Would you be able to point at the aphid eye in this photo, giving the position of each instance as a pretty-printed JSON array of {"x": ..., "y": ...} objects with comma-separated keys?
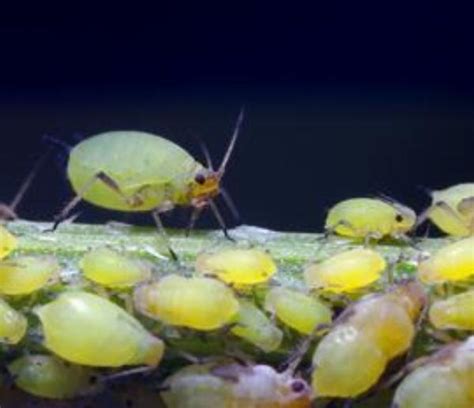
[
  {"x": 399, "y": 218},
  {"x": 200, "y": 179},
  {"x": 298, "y": 386}
]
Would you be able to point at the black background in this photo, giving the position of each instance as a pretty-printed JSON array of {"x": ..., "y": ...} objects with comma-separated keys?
[{"x": 342, "y": 99}]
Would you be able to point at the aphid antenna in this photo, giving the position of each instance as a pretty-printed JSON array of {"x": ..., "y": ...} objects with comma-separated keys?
[
  {"x": 204, "y": 150},
  {"x": 58, "y": 143},
  {"x": 230, "y": 148},
  {"x": 428, "y": 191}
]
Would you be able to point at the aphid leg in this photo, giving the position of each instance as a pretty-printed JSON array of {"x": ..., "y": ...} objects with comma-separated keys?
[
  {"x": 230, "y": 204},
  {"x": 192, "y": 220},
  {"x": 8, "y": 211},
  {"x": 100, "y": 176},
  {"x": 297, "y": 355},
  {"x": 161, "y": 229},
  {"x": 127, "y": 373},
  {"x": 374, "y": 235},
  {"x": 220, "y": 220}
]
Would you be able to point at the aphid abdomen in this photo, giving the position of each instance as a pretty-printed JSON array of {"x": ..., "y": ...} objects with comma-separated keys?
[
  {"x": 299, "y": 311},
  {"x": 455, "y": 312},
  {"x": 346, "y": 271},
  {"x": 86, "y": 329},
  {"x": 453, "y": 262},
  {"x": 446, "y": 380},
  {"x": 136, "y": 161},
  {"x": 253, "y": 326},
  {"x": 347, "y": 363},
  {"x": 49, "y": 377},
  {"x": 12, "y": 324},
  {"x": 447, "y": 216},
  {"x": 198, "y": 303}
]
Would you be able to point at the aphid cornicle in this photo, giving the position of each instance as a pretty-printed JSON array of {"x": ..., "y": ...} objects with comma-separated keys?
[
  {"x": 86, "y": 329},
  {"x": 297, "y": 310},
  {"x": 197, "y": 303},
  {"x": 234, "y": 385},
  {"x": 370, "y": 218},
  {"x": 452, "y": 210},
  {"x": 453, "y": 262},
  {"x": 8, "y": 242},
  {"x": 12, "y": 324},
  {"x": 455, "y": 312},
  {"x": 238, "y": 266},
  {"x": 346, "y": 271},
  {"x": 112, "y": 269},
  {"x": 23, "y": 275},
  {"x": 49, "y": 377},
  {"x": 350, "y": 359},
  {"x": 443, "y": 380},
  {"x": 141, "y": 172}
]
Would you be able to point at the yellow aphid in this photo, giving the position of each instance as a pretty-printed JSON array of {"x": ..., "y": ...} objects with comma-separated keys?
[
  {"x": 86, "y": 329},
  {"x": 49, "y": 377},
  {"x": 452, "y": 209},
  {"x": 238, "y": 266},
  {"x": 12, "y": 324},
  {"x": 445, "y": 380},
  {"x": 453, "y": 262},
  {"x": 455, "y": 312},
  {"x": 346, "y": 271},
  {"x": 234, "y": 385},
  {"x": 111, "y": 269},
  {"x": 253, "y": 326},
  {"x": 297, "y": 310},
  {"x": 26, "y": 274},
  {"x": 352, "y": 357},
  {"x": 8, "y": 242},
  {"x": 198, "y": 303},
  {"x": 369, "y": 217}
]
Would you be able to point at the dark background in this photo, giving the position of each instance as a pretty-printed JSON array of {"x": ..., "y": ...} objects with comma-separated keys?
[{"x": 342, "y": 99}]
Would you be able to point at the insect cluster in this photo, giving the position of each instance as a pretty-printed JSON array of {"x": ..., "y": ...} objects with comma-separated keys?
[{"x": 225, "y": 330}]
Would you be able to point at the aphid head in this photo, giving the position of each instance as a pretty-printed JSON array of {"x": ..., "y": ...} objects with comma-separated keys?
[
  {"x": 205, "y": 186},
  {"x": 405, "y": 218},
  {"x": 206, "y": 183}
]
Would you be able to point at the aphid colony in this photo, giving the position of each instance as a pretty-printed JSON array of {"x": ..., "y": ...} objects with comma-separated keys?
[{"x": 121, "y": 311}]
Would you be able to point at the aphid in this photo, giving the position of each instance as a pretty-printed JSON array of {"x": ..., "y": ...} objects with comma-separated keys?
[
  {"x": 12, "y": 324},
  {"x": 452, "y": 210},
  {"x": 8, "y": 242},
  {"x": 297, "y": 310},
  {"x": 86, "y": 329},
  {"x": 238, "y": 266},
  {"x": 351, "y": 358},
  {"x": 49, "y": 377},
  {"x": 370, "y": 218},
  {"x": 112, "y": 269},
  {"x": 346, "y": 271},
  {"x": 252, "y": 325},
  {"x": 443, "y": 380},
  {"x": 197, "y": 303},
  {"x": 453, "y": 262},
  {"x": 141, "y": 172},
  {"x": 234, "y": 385},
  {"x": 455, "y": 312},
  {"x": 26, "y": 274}
]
